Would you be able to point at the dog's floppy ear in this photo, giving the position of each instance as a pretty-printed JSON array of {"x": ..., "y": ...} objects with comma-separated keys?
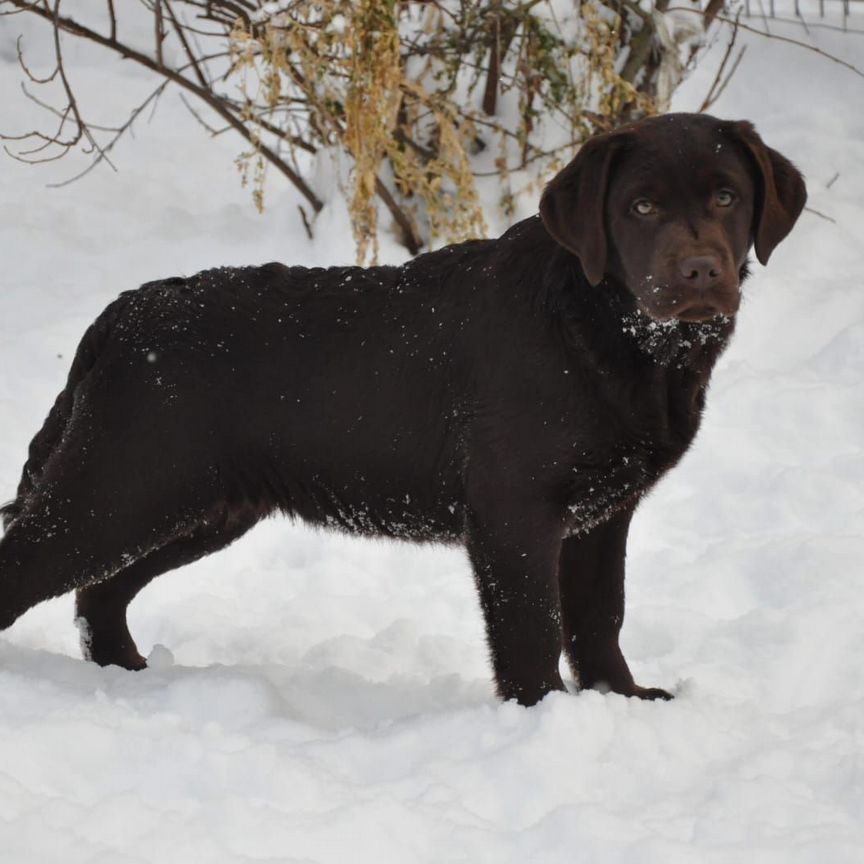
[
  {"x": 572, "y": 206},
  {"x": 781, "y": 197}
]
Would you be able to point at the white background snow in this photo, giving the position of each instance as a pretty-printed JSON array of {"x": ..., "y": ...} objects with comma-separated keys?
[{"x": 328, "y": 699}]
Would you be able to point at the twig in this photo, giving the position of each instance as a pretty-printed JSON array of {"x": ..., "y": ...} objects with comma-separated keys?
[
  {"x": 505, "y": 28},
  {"x": 213, "y": 132},
  {"x": 26, "y": 69},
  {"x": 160, "y": 34},
  {"x": 718, "y": 84},
  {"x": 113, "y": 16},
  {"x": 70, "y": 25},
  {"x": 711, "y": 10},
  {"x": 540, "y": 154},
  {"x": 821, "y": 215},
  {"x": 69, "y": 114},
  {"x": 305, "y": 219},
  {"x": 102, "y": 155},
  {"x": 710, "y": 97},
  {"x": 409, "y": 235},
  {"x": 786, "y": 39},
  {"x": 819, "y": 25},
  {"x": 51, "y": 110},
  {"x": 802, "y": 21},
  {"x": 731, "y": 74},
  {"x": 764, "y": 17},
  {"x": 193, "y": 60}
]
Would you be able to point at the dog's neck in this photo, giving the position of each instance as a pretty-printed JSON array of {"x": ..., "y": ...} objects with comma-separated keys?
[{"x": 674, "y": 341}]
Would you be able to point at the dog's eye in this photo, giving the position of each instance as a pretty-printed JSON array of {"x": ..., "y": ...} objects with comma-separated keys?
[
  {"x": 724, "y": 197},
  {"x": 644, "y": 207}
]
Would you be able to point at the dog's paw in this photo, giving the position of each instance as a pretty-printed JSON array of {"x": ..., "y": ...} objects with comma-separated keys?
[{"x": 651, "y": 693}]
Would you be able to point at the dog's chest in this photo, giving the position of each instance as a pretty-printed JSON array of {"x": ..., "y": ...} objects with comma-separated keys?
[
  {"x": 613, "y": 475},
  {"x": 629, "y": 444},
  {"x": 597, "y": 491}
]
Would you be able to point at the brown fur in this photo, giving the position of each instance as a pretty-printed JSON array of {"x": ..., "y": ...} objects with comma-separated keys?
[{"x": 517, "y": 395}]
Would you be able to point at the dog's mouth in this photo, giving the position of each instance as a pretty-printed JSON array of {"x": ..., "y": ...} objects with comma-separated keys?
[
  {"x": 697, "y": 314},
  {"x": 669, "y": 304},
  {"x": 700, "y": 314}
]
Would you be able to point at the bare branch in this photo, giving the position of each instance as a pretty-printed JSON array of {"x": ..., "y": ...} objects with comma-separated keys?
[
  {"x": 160, "y": 32},
  {"x": 305, "y": 219},
  {"x": 193, "y": 60},
  {"x": 27, "y": 71},
  {"x": 113, "y": 16},
  {"x": 787, "y": 39},
  {"x": 213, "y": 100},
  {"x": 51, "y": 110},
  {"x": 711, "y": 11},
  {"x": 285, "y": 80},
  {"x": 409, "y": 235},
  {"x": 102, "y": 155},
  {"x": 821, "y": 215},
  {"x": 213, "y": 132},
  {"x": 718, "y": 85},
  {"x": 504, "y": 28},
  {"x": 69, "y": 115}
]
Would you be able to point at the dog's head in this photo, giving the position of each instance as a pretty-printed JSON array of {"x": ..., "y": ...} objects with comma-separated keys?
[{"x": 670, "y": 206}]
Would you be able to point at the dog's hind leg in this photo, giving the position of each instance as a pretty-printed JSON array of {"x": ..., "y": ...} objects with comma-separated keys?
[
  {"x": 101, "y": 608},
  {"x": 66, "y": 540},
  {"x": 120, "y": 486}
]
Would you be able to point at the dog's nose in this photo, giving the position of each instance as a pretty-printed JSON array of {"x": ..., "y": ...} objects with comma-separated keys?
[
  {"x": 705, "y": 293},
  {"x": 700, "y": 271}
]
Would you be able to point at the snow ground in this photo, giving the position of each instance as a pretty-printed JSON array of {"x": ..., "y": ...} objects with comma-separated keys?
[{"x": 328, "y": 699}]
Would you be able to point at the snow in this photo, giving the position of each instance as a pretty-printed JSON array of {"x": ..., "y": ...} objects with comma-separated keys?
[{"x": 323, "y": 699}]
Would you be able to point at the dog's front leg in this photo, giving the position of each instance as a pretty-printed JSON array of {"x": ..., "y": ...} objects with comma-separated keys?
[
  {"x": 514, "y": 550},
  {"x": 591, "y": 582}
]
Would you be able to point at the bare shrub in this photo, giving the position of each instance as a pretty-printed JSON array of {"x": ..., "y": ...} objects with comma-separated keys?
[{"x": 418, "y": 94}]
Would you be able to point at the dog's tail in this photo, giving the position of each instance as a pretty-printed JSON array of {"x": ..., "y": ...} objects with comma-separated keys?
[{"x": 49, "y": 436}]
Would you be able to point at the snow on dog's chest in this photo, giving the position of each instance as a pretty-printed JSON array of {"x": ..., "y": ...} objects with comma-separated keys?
[{"x": 598, "y": 492}]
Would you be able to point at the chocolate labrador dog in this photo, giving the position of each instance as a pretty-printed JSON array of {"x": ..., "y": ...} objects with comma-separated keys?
[{"x": 518, "y": 396}]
